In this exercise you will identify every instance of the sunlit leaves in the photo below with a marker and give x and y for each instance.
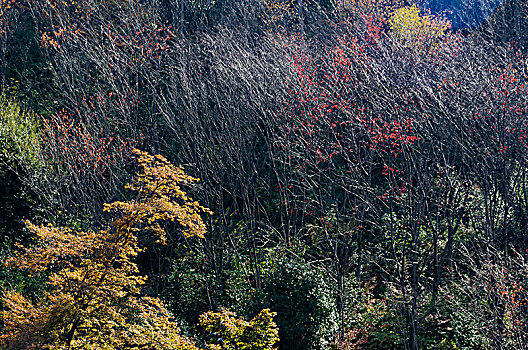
(92, 298)
(160, 198)
(226, 331)
(417, 30)
(19, 134)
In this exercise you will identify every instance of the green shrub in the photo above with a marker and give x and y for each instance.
(19, 150)
(187, 290)
(224, 330)
(19, 142)
(303, 301)
(370, 322)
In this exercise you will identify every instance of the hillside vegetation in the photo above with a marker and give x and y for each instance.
(263, 174)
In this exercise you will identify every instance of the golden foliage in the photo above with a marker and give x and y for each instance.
(19, 133)
(92, 300)
(160, 198)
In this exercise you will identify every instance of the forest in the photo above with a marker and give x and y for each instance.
(263, 174)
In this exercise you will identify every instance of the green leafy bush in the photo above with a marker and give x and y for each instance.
(227, 332)
(18, 134)
(19, 152)
(302, 298)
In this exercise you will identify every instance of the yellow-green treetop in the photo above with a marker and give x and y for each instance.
(417, 30)
(226, 331)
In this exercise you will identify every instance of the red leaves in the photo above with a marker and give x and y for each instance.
(373, 28)
(82, 150)
(391, 136)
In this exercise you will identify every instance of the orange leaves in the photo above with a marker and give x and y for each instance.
(92, 300)
(391, 136)
(6, 6)
(58, 245)
(17, 316)
(510, 78)
(82, 151)
(500, 286)
(160, 199)
(133, 40)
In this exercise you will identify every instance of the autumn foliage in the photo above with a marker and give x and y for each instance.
(93, 299)
(365, 162)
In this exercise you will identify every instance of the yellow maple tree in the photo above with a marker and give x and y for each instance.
(417, 29)
(93, 290)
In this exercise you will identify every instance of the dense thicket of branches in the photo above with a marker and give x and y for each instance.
(365, 161)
